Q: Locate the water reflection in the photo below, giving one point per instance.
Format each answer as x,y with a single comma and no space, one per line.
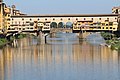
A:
33,61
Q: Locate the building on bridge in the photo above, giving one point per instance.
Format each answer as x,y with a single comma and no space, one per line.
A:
116,10
76,22
101,22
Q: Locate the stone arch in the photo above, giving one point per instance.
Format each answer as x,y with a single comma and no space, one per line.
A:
61,25
69,25
53,25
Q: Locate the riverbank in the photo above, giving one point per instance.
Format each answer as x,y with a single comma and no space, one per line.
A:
4,41
114,44
112,41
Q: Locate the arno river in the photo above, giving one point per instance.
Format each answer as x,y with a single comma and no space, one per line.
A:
62,58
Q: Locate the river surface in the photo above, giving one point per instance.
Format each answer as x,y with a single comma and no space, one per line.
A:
63,58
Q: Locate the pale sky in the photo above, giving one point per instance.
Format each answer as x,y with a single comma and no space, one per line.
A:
64,6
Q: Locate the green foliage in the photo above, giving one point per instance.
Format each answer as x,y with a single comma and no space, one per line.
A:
12,38
111,40
3,41
106,35
21,36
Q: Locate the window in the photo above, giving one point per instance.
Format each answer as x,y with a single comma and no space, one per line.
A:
99,18
30,19
38,19
32,23
106,27
53,18
31,28
107,18
12,19
61,19
23,28
99,27
91,18
8,19
110,27
22,18
27,22
103,24
68,18
110,23
46,19
103,27
84,18
106,24
76,18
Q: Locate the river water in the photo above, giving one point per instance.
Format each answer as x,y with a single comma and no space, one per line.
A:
63,58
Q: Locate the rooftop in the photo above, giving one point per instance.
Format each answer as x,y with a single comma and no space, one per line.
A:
67,15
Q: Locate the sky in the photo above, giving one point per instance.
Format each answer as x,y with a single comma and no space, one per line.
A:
64,6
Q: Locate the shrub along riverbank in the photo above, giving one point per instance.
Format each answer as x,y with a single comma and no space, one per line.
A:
111,40
4,41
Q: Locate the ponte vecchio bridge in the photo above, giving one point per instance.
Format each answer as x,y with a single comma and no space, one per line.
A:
74,22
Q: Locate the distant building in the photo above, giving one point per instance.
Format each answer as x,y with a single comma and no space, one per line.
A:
116,10
14,11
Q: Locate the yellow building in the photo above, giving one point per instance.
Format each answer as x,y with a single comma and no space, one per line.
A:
4,17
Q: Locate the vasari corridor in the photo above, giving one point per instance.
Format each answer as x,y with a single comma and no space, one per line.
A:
59,46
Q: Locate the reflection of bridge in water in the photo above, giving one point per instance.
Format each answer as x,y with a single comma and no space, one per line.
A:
63,38
73,38
34,61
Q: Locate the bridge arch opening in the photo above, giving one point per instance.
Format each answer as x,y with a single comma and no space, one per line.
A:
69,25
61,25
53,25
